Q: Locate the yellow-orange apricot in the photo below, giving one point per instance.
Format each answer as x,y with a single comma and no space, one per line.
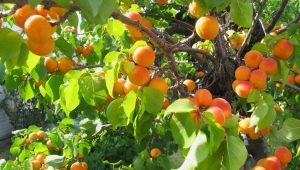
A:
207,27
155,152
79,166
268,65
119,87
36,165
272,163
244,126
78,49
1,22
86,51
204,97
236,42
40,10
283,154
253,58
22,14
159,84
291,79
194,101
258,168
32,136
283,49
166,103
218,114
242,73
41,158
38,29
194,9
146,24
161,2
196,116
254,135
277,108
128,86
139,76
133,16
58,10
297,79
41,134
135,34
234,84
190,84
65,65
243,88
41,49
144,56
258,78
50,64
224,105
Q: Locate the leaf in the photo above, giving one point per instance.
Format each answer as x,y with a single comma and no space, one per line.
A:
235,154
39,72
111,77
13,79
197,153
63,3
52,86
55,161
290,129
10,44
254,96
34,3
282,73
69,96
215,3
268,119
264,49
152,99
137,44
111,56
116,114
180,106
183,129
259,113
56,140
65,47
241,12
129,104
115,28
26,90
142,125
216,136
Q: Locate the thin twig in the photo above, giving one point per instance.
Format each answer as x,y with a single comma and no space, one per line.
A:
103,127
281,30
277,15
290,86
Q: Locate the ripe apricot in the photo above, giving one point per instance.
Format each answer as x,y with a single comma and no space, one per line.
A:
243,89
78,49
200,74
41,49
133,16
224,105
277,108
237,42
258,168
49,145
166,103
242,73
155,152
253,58
265,131
297,79
204,97
283,49
161,2
196,116
50,64
41,134
194,9
244,126
65,65
272,163
135,34
258,78
144,56
41,158
268,65
207,27
147,24
128,86
33,136
283,154
159,84
86,51
22,14
40,10
58,10
119,87
38,29
218,114
253,135
291,79
139,76
234,84
36,165
79,166
190,84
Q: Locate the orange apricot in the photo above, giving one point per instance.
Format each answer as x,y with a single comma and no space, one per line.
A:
50,64
283,49
243,88
65,65
272,163
1,22
79,166
128,86
204,97
22,14
194,9
41,134
78,49
224,105
155,152
253,58
86,51
283,154
161,2
119,87
234,84
200,74
291,79
194,101
133,16
40,10
297,79
159,84
268,65
277,108
139,76
265,131
38,28
147,24
294,68
218,114
166,103
58,10
144,56
244,126
33,136
36,165
190,84
258,78
242,73
258,168
41,49
254,135
207,27
41,158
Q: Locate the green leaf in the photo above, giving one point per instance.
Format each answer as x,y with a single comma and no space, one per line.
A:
39,72
34,3
137,44
52,86
56,161
241,12
181,106
290,129
142,125
261,47
268,119
197,153
216,136
69,96
63,3
10,44
65,47
235,154
111,77
115,28
152,99
13,79
254,96
183,129
129,104
26,90
111,56
259,113
31,61
73,19
215,3
116,114
56,140
282,73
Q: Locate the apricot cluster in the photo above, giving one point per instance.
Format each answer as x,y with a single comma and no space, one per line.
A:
86,50
135,34
254,73
38,161
63,65
279,161
294,77
244,127
40,135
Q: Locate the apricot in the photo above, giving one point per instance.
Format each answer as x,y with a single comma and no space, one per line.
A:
283,49
144,56
258,168
33,136
283,154
194,101
268,65
50,64
161,2
218,114
78,49
38,29
234,84
277,108
204,97
265,131
159,84
253,58
194,9
41,49
297,79
224,105
41,158
79,166
58,10
40,10
128,86
147,24
135,34
119,87
133,16
155,152
200,74
190,84
49,145
294,68
41,134
65,65
272,163
207,27
237,42
291,79
22,14
36,165
254,135
258,78
196,116
86,51
244,126
242,73
243,89
139,76
166,103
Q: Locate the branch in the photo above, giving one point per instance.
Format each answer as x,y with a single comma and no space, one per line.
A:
103,127
281,30
290,86
192,50
81,67
277,15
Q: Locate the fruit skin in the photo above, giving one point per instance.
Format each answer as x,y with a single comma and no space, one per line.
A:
253,58
65,65
272,163
32,136
139,76
41,158
194,9
253,135
86,51
128,86
41,134
21,15
242,73
283,49
50,64
244,126
146,24
200,74
204,97
57,10
155,152
297,79
224,105
258,168
38,29
265,131
36,165
238,41
268,65
218,114
258,78
234,84
144,56
291,79
161,2
166,103
207,27
41,49
159,84
79,166
119,87
243,89
283,154
190,84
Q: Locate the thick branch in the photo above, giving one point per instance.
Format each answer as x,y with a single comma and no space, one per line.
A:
277,15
